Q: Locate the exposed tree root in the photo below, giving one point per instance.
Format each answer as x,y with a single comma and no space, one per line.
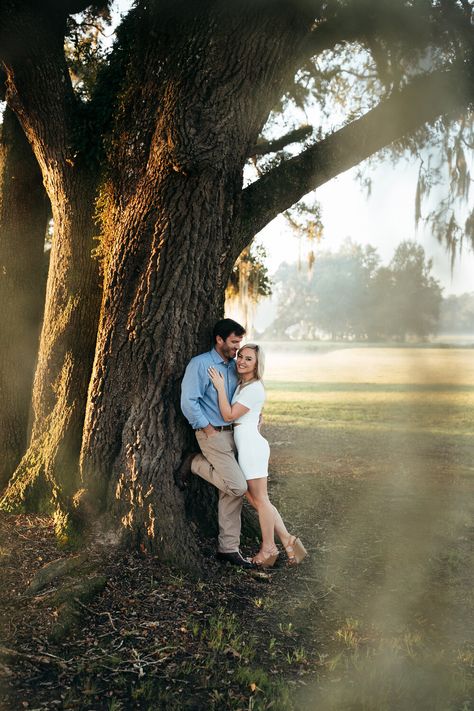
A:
70,601
54,570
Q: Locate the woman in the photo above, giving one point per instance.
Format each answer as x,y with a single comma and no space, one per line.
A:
253,452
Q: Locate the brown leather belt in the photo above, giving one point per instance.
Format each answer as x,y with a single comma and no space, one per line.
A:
219,428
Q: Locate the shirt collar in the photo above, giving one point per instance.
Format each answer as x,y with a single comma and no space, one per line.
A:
217,358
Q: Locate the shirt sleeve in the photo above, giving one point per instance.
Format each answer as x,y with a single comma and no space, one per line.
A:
192,390
251,396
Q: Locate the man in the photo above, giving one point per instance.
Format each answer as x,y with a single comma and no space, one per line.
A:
217,463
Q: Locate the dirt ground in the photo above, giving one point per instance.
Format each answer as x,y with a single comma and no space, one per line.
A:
153,639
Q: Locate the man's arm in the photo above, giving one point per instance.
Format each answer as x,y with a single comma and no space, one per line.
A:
192,389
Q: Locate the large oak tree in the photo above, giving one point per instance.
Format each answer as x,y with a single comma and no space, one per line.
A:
156,154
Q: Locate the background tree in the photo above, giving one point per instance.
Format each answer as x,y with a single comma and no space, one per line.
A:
26,210
37,77
332,297
379,322
158,152
24,213
416,295
345,309
457,314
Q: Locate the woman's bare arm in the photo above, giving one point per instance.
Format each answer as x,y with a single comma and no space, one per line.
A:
229,412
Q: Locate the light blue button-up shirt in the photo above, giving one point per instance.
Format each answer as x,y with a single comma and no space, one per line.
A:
199,401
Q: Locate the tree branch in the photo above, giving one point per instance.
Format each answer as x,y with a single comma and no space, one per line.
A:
468,9
331,33
353,24
264,147
39,87
422,101
72,7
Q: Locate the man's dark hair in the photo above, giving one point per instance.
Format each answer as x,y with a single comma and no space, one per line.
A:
225,327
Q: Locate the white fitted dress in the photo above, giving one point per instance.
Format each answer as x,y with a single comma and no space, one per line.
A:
253,450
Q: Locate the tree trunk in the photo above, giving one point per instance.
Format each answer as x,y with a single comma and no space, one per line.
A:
24,211
39,90
134,438
49,469
170,259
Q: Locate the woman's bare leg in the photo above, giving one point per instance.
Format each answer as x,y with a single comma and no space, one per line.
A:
259,499
293,546
279,527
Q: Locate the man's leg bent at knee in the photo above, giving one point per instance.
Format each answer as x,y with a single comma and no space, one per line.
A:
217,464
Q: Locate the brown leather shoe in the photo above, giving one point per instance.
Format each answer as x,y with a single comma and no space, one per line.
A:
183,473
236,558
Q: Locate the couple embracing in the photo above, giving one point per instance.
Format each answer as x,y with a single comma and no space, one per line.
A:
222,398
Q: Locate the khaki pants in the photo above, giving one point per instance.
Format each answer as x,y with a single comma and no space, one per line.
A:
217,465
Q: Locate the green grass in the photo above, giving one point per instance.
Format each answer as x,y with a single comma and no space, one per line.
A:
437,411
375,476
293,387
223,637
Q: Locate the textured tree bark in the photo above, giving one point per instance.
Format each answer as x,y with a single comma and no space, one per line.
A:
24,211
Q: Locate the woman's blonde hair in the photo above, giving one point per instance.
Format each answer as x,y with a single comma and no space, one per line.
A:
260,357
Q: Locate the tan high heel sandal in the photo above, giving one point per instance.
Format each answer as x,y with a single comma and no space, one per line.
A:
295,551
267,561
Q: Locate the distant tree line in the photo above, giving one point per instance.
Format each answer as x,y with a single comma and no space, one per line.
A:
350,295
457,315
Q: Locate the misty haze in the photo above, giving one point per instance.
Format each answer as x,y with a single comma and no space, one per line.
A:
236,355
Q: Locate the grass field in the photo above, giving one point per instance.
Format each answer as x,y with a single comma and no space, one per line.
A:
373,464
